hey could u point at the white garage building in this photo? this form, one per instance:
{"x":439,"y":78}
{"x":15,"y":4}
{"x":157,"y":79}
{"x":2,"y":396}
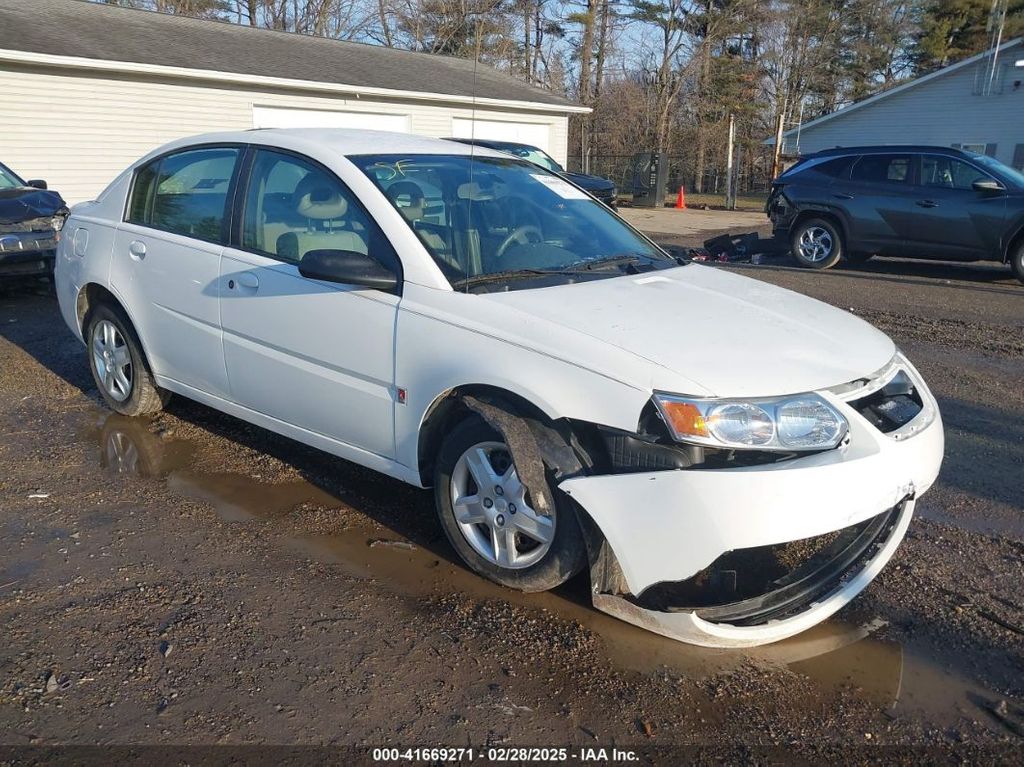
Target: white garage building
{"x":89,"y":88}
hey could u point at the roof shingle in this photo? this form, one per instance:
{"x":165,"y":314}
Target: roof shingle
{"x":106,"y":32}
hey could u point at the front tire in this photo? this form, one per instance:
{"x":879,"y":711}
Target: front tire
{"x":118,"y":365}
{"x":817,"y":243}
{"x":1017,"y":261}
{"x":488,"y":516}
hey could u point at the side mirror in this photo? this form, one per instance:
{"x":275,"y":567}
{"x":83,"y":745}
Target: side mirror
{"x":36,"y":183}
{"x":988,"y":186}
{"x":347,"y":267}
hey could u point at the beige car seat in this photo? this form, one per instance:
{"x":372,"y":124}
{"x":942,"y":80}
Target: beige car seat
{"x":408,"y":197}
{"x":317,"y":201}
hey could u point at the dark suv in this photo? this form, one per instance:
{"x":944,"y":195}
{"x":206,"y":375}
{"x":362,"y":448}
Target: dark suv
{"x":910,"y":201}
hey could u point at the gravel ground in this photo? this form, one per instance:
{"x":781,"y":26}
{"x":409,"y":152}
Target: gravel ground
{"x":195,"y":580}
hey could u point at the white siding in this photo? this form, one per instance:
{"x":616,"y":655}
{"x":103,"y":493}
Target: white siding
{"x":78,"y":130}
{"x":942,"y":111}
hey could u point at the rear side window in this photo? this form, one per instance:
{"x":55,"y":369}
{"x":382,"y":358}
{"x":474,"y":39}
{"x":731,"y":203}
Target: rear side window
{"x":882,"y":169}
{"x":831,"y":167}
{"x":185,"y":193}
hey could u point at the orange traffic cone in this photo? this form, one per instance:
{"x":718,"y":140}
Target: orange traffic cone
{"x":681,"y":199}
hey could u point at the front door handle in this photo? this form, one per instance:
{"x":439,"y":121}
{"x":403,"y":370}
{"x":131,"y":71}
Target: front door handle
{"x":137,"y":250}
{"x":248,"y":280}
{"x":927,"y":204}
{"x":843,"y":196}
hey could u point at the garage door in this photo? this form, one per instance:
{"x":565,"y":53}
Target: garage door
{"x":495,"y":130}
{"x":283,"y":117}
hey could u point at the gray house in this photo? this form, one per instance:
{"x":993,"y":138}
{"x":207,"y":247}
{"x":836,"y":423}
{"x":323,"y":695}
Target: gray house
{"x":975,"y":104}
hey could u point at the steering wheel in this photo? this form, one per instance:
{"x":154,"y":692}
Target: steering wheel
{"x":521,"y":235}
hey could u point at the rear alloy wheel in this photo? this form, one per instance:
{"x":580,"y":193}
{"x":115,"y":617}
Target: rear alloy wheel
{"x":489,"y":517}
{"x":1017,"y":261}
{"x":118,"y":365}
{"x":816,"y":243}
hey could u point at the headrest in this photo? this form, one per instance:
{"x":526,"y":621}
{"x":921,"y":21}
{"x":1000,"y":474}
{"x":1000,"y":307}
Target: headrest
{"x":317,"y":197}
{"x":405,"y":194}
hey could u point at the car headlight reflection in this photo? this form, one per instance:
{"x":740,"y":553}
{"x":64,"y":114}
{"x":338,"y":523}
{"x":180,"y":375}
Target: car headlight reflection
{"x":800,"y":422}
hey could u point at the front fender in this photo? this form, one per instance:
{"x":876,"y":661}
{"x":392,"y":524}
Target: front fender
{"x":434,"y":356}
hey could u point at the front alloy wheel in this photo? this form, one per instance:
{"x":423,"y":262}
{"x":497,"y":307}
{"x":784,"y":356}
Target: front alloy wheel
{"x":492,"y":510}
{"x":488,"y":516}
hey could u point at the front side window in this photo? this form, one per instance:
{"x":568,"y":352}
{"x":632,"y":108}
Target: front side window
{"x":185,"y":193}
{"x":882,"y":169}
{"x":949,"y":173}
{"x":8,"y":180}
{"x":294,"y":206}
{"x":487,"y":215}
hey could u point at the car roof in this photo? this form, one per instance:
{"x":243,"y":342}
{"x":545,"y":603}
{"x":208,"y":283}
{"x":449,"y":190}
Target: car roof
{"x":839,"y":151}
{"x":494,"y":143}
{"x":343,"y":141}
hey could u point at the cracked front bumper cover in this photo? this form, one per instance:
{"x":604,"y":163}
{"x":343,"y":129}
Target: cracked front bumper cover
{"x":662,"y":528}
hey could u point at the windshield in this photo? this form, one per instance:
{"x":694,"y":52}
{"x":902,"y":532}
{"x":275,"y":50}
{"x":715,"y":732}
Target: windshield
{"x":482,"y":216}
{"x":991,"y":163}
{"x":8,"y":180}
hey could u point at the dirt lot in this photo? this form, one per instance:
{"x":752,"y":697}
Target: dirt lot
{"x":194,"y":580}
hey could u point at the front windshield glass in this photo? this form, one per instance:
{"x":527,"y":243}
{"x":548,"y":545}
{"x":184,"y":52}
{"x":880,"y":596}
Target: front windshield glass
{"x":8,"y":180}
{"x":1006,"y":171}
{"x":481,"y":216}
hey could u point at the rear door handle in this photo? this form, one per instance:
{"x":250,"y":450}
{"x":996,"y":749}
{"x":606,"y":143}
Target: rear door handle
{"x":927,"y":203}
{"x":843,"y":196}
{"x":137,"y":250}
{"x":248,"y":280}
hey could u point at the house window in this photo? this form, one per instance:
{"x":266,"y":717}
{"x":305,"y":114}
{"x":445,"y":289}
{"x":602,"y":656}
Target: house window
{"x":976,"y":148}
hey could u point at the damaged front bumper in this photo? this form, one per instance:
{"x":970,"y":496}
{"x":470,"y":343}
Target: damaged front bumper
{"x":26,"y":249}
{"x":675,"y":546}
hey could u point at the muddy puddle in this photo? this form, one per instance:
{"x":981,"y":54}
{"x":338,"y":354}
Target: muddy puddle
{"x":836,"y":655}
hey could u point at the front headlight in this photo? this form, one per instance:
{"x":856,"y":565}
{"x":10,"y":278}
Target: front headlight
{"x":57,"y":222}
{"x":798,"y":422}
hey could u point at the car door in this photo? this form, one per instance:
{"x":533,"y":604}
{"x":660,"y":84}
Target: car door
{"x":952,"y":219}
{"x":876,"y":199}
{"x":166,"y":262}
{"x":313,"y":354}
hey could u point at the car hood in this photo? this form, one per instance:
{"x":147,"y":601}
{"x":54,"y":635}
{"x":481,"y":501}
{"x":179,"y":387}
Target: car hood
{"x":734,"y":336}
{"x":25,"y":203}
{"x":590,"y":183}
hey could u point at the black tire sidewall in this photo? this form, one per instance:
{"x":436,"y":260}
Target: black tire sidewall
{"x":567,"y":554}
{"x":1017,"y":262}
{"x":837,"y":238}
{"x":140,"y":370}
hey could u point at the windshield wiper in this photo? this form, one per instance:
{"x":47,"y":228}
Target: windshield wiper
{"x":623,"y":259}
{"x":511,"y":274}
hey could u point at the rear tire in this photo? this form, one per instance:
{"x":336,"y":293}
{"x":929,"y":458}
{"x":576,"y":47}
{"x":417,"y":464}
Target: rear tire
{"x":817,"y":243}
{"x":1017,"y":261}
{"x":118,"y":366}
{"x":499,"y":551}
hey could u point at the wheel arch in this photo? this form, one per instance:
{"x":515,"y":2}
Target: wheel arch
{"x":93,"y":294}
{"x":1013,"y":242}
{"x":831,"y":216}
{"x":448,"y":408}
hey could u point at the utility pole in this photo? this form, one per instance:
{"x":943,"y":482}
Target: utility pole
{"x":730,"y":183}
{"x":777,"y":154}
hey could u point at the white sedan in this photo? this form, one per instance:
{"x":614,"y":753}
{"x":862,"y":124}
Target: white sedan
{"x":734,"y":462}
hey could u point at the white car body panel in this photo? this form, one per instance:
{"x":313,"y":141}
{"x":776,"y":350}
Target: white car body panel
{"x":324,"y":364}
{"x":679,"y":522}
{"x":735,"y":336}
{"x":294,"y":348}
